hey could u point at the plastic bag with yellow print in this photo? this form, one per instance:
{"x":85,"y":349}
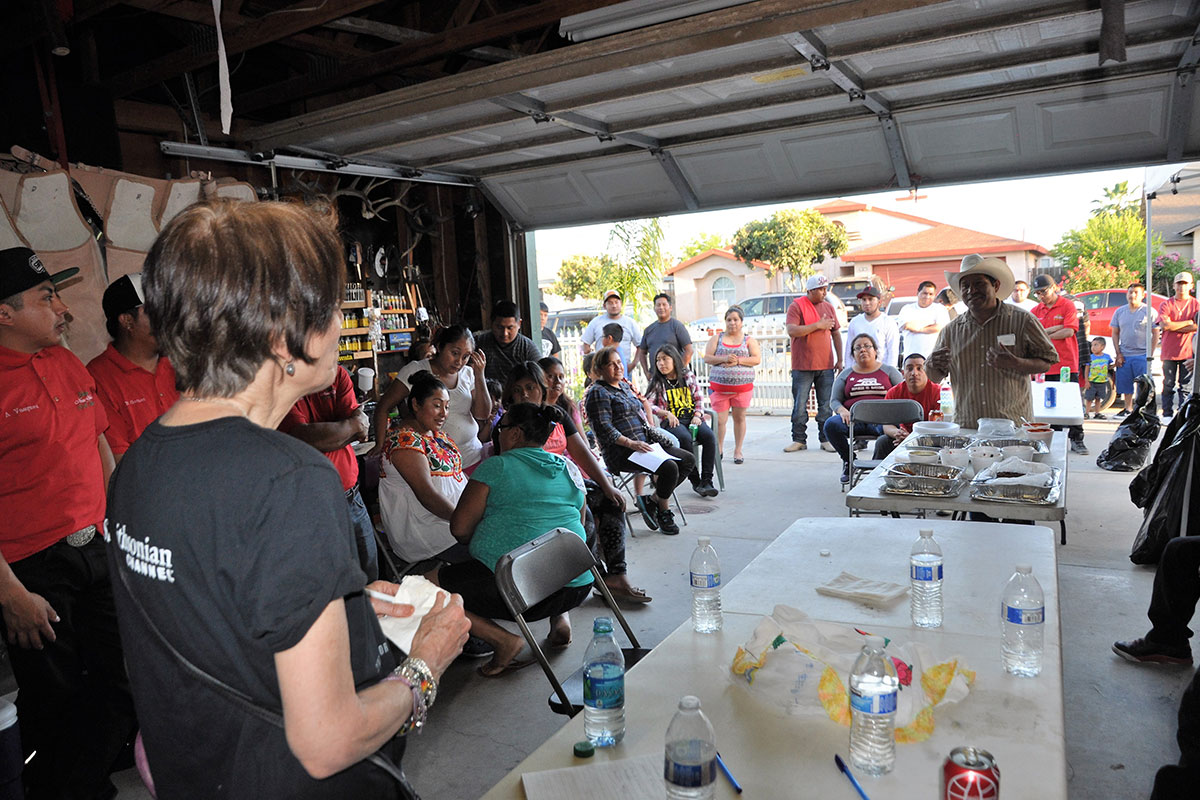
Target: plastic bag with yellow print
{"x":798,"y":667}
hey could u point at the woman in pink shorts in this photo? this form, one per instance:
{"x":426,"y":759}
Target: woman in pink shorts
{"x":732,"y":357}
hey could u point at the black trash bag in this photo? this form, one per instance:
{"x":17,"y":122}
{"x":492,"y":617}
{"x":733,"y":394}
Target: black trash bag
{"x":1164,"y":489}
{"x":1130,"y":445}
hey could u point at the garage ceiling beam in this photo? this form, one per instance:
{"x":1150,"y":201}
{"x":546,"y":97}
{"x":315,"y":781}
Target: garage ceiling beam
{"x":760,"y":19}
{"x":1183,"y":92}
{"x":1110,"y":75}
{"x":536,"y":111}
{"x":247,"y":36}
{"x":436,"y":46}
{"x":987,"y":65}
{"x":807,"y":44}
{"x":401,"y":35}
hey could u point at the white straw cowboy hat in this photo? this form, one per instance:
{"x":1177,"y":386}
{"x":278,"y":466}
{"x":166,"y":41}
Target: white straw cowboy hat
{"x":976,"y":264}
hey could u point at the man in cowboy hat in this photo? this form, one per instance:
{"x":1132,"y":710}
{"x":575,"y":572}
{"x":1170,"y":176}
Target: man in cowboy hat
{"x":989,"y":352}
{"x":56,"y":604}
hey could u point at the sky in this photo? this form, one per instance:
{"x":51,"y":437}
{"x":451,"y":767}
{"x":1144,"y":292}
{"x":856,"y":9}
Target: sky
{"x":1037,"y":210}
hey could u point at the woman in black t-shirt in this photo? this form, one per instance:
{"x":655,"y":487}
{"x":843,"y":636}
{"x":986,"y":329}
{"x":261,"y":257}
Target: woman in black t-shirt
{"x":230,"y":542}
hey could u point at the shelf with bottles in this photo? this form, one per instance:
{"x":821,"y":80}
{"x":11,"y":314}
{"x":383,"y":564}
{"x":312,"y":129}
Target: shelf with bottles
{"x":399,"y":330}
{"x":355,"y":323}
{"x":352,"y":356}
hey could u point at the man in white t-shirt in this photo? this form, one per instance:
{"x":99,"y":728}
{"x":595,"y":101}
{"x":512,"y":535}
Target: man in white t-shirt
{"x":878,"y":325}
{"x":614,"y":312}
{"x":920,"y":322}
{"x":1020,"y":297}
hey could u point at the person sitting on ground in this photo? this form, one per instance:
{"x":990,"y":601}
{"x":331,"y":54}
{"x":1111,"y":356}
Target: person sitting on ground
{"x":915,"y":386}
{"x":515,"y":497}
{"x":230,"y":543}
{"x":676,"y":401}
{"x":617,"y":417}
{"x":460,"y":368}
{"x":1097,"y":390}
{"x":1172,"y":604}
{"x":531,"y":384}
{"x":867,"y":378}
{"x":422,"y":477}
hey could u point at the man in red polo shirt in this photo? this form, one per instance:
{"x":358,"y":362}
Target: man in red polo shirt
{"x":135,"y":385}
{"x":1061,"y":321}
{"x":58,"y":616}
{"x":330,"y":421}
{"x":816,"y":359}
{"x":915,"y":386}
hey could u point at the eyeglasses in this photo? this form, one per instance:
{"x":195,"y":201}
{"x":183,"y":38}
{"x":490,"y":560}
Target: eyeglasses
{"x":506,"y":425}
{"x":862,"y":348}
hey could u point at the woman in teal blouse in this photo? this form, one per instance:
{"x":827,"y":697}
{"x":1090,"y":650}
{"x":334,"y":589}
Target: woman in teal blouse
{"x":513,"y":498}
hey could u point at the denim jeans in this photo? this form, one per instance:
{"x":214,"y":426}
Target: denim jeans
{"x":1175,"y":379}
{"x":837,"y":433}
{"x":364,"y":535}
{"x":802,"y":381}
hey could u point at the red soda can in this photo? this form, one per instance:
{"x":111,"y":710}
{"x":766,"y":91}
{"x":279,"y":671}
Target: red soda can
{"x":936,"y":415}
{"x":969,"y":773}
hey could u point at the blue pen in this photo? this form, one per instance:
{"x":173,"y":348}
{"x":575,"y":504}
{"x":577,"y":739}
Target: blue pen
{"x":850,"y":775}
{"x":737,"y":787}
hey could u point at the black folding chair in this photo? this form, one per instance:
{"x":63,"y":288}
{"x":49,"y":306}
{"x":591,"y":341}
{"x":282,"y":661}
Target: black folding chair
{"x":878,"y":412}
{"x":534,"y":571}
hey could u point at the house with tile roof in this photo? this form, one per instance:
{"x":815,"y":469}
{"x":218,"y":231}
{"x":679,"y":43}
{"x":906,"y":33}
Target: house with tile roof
{"x":1176,"y":218}
{"x":902,"y":249}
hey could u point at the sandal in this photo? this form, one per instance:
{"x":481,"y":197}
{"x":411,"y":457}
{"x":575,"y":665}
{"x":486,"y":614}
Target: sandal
{"x":489,"y":671}
{"x":633,"y":595}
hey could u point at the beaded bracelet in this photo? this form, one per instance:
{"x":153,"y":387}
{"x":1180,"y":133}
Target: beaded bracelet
{"x":416,"y":675}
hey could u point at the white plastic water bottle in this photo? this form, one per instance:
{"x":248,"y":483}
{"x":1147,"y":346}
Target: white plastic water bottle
{"x":947,"y":404}
{"x":690,"y":759}
{"x":873,"y":690}
{"x":706,"y":587}
{"x":603,"y":687}
{"x":1023,"y":615}
{"x":925,"y":579}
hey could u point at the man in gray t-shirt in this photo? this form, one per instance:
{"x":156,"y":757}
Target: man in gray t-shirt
{"x":613,"y":312}
{"x":1129,"y":324}
{"x":665,"y":330}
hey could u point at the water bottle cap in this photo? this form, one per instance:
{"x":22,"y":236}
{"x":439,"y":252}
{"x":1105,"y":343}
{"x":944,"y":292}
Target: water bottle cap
{"x":926,"y":532}
{"x":602,"y":625}
{"x":584,"y":749}
{"x":874,"y":641}
{"x":703,"y":541}
{"x":689,"y":703}
{"x":1024,"y":569}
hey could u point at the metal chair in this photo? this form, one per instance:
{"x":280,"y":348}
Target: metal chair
{"x":534,"y":571}
{"x":879,"y":412}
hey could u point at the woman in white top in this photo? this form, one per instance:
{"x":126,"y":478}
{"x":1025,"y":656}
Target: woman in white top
{"x":459,"y":366}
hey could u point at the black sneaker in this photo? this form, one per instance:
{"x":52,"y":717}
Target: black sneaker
{"x":1144,"y":651}
{"x":648,"y":512}
{"x":1079,"y":448}
{"x":666,"y":522}
{"x":477,"y":648}
{"x":1098,"y":415}
{"x":698,"y":488}
{"x":706,"y":489}
{"x":845,"y":474}
{"x":1121,"y":413}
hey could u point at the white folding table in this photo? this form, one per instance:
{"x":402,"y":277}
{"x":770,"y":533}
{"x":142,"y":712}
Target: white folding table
{"x":1068,"y":404}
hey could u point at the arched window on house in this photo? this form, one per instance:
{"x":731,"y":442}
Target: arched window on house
{"x":722,"y":295}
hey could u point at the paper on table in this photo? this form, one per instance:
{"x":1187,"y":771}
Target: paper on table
{"x":653,"y":459}
{"x":623,"y":779}
{"x":864,"y":590}
{"x":420,"y":594}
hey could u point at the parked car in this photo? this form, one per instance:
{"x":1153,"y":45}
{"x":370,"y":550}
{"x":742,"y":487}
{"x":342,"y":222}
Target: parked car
{"x":571,"y":318}
{"x":1102,"y":303}
{"x":768,"y":309}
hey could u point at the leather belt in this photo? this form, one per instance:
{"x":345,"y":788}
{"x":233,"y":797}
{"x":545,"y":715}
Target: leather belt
{"x":81,"y":537}
{"x":350,"y":492}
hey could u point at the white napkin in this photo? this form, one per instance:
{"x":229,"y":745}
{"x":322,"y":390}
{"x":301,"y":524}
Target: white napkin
{"x":1032,"y":474}
{"x":863,"y":590}
{"x":420,"y":594}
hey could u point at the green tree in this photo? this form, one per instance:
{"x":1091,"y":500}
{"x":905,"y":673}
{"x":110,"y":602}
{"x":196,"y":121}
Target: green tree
{"x":1113,"y":238}
{"x":1117,"y":199}
{"x":705,"y":241}
{"x":579,"y":276}
{"x":791,"y":240}
{"x":638,"y":261}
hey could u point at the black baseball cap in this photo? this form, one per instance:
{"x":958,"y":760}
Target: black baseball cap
{"x":870,"y":291}
{"x":21,"y":269}
{"x":123,"y":294}
{"x":1041,"y":282}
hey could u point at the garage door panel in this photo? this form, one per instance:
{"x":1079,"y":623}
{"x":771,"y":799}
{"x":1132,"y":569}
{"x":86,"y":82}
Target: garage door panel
{"x":1104,"y":118}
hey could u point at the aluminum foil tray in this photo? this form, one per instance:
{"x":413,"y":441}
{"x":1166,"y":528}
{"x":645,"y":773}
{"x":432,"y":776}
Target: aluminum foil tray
{"x":936,"y":441}
{"x":923,"y":480}
{"x":1016,"y":493}
{"x":1039,"y":447}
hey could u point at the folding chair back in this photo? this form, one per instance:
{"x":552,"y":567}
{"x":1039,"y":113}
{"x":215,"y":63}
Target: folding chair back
{"x":879,"y":412}
{"x":537,"y":569}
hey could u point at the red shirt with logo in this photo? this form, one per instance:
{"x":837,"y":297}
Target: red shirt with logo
{"x":1062,"y":312}
{"x":332,"y":404}
{"x":132,"y":396}
{"x":51,"y":479}
{"x":1177,"y":346}
{"x":814,"y":351}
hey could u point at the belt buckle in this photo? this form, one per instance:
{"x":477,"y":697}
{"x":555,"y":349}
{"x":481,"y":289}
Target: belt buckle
{"x":82,"y":537}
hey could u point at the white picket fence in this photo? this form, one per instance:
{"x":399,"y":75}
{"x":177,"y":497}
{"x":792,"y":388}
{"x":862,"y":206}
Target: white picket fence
{"x":772,"y":377}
